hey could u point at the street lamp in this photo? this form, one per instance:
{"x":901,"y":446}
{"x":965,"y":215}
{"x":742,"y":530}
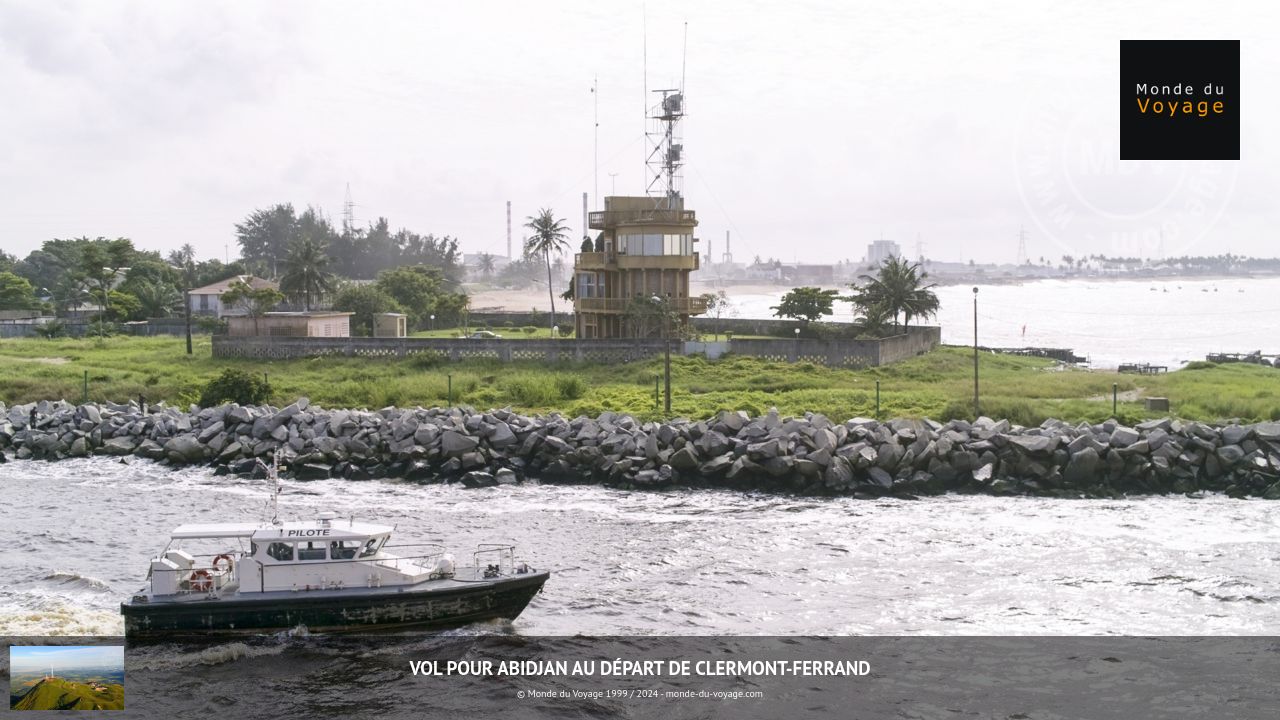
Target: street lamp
{"x":796,"y":350}
{"x":433,"y":323}
{"x":976,"y":413}
{"x":666,"y":353}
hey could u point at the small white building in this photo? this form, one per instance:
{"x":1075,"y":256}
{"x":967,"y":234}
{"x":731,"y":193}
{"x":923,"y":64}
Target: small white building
{"x":292,"y":324}
{"x":207,"y":300}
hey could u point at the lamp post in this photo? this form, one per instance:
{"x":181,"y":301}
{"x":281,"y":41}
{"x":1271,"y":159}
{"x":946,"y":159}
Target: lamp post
{"x":976,"y":412}
{"x":433,"y":323}
{"x":666,"y":354}
{"x":796,"y":347}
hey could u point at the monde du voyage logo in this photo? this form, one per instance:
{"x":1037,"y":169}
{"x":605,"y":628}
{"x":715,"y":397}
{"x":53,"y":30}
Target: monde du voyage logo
{"x":1179,"y":99}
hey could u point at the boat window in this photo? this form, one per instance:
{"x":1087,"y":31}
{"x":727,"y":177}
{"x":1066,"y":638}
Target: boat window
{"x":280,"y":551}
{"x":311,"y":552}
{"x":343,"y":549}
{"x":371,"y":547}
{"x":253,"y":548}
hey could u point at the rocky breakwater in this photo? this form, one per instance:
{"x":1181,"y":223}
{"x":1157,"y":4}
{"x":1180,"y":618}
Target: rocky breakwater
{"x":809,"y":454}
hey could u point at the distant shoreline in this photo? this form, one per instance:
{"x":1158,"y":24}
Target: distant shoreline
{"x":498,"y":300}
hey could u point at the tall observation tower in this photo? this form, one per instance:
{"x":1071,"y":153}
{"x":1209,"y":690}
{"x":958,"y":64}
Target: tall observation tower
{"x":643,"y":253}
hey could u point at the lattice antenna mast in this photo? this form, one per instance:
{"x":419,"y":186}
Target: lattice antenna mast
{"x":348,"y":213}
{"x":666,"y":152}
{"x":1022,"y":246}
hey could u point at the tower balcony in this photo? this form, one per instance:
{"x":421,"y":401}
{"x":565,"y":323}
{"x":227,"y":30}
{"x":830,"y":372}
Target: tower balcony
{"x":615,"y":261}
{"x":680,"y":305}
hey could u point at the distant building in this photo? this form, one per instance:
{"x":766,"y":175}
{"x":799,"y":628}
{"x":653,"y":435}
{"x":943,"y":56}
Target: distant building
{"x":880,"y":250}
{"x":809,"y":274}
{"x":647,"y":251}
{"x":769,"y":270}
{"x":292,"y":324}
{"x":207,"y":300}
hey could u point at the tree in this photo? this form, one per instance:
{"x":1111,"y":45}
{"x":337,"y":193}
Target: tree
{"x":100,"y":265}
{"x":306,"y":273}
{"x":365,"y":301}
{"x":156,"y":300}
{"x":420,"y":291}
{"x":649,"y":315}
{"x":486,"y":264}
{"x":264,"y":236}
{"x":123,"y":306}
{"x":183,"y":256}
{"x":806,"y":304}
{"x":549,"y":236}
{"x":897,"y":289}
{"x":255,"y":302}
{"x":16,"y":293}
{"x":7,"y":261}
{"x":717,"y":306}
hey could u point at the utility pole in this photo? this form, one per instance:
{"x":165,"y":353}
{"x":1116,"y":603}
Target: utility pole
{"x":664,"y":304}
{"x":976,"y":412}
{"x":187,"y":312}
{"x":509,"y":256}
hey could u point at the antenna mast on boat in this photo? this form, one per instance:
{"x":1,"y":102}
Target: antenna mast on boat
{"x":274,"y":474}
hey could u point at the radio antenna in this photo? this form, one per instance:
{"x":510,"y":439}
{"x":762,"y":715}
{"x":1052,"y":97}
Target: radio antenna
{"x":684,"y":55}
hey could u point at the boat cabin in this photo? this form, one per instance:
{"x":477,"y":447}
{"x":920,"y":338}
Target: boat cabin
{"x":320,"y":554}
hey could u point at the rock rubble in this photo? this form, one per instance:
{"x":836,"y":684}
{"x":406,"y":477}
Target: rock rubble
{"x":810,"y":454}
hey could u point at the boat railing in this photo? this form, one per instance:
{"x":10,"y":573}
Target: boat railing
{"x":498,"y":552}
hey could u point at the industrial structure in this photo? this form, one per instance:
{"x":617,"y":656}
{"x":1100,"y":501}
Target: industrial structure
{"x":641,"y":259}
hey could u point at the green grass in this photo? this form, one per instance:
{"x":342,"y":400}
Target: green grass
{"x":937,"y":385}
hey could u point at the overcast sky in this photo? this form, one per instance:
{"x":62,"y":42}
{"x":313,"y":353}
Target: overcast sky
{"x":813,"y":127}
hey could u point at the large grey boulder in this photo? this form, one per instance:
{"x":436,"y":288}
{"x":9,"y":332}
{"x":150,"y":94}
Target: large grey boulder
{"x":454,"y":443}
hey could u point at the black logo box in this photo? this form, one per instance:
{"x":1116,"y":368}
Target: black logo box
{"x":1189,"y":65}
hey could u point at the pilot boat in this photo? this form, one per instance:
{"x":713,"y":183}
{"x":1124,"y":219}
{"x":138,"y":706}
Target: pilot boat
{"x":327,"y":574}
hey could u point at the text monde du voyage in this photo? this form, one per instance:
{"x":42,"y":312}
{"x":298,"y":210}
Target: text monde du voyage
{"x":1180,"y":100}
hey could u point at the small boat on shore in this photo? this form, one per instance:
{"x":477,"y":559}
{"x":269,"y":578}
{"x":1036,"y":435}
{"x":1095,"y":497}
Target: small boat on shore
{"x":326,"y":574}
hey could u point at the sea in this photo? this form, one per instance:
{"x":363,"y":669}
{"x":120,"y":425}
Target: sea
{"x":1165,"y":321}
{"x":956,"y":605}
{"x":79,"y":534}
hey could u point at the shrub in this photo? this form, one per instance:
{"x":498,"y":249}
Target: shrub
{"x":101,"y":328}
{"x":570,"y":387}
{"x":236,"y":386}
{"x":211,"y":325}
{"x":528,"y":330}
{"x":1200,"y":365}
{"x":50,"y":330}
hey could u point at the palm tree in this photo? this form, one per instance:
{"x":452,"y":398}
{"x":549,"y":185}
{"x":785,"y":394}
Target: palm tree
{"x":306,"y":273}
{"x":896,"y":290}
{"x":549,"y":235}
{"x":486,"y":264}
{"x":159,"y":300}
{"x":182,"y":257}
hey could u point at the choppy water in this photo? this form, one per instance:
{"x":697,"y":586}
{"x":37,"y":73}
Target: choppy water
{"x":78,"y":535}
{"x":1163,"y":322}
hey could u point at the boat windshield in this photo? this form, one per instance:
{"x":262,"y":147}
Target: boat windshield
{"x":343,"y":549}
{"x":372,"y":546}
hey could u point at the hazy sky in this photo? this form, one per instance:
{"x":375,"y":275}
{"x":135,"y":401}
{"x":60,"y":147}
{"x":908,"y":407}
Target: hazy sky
{"x":813,"y":127}
{"x":42,"y":657}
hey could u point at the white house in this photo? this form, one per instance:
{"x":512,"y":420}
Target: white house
{"x":207,"y":300}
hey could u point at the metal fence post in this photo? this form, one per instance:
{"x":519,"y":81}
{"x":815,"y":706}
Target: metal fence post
{"x":1115,"y":398}
{"x":84,"y":397}
{"x":877,"y":399}
{"x":450,"y":379}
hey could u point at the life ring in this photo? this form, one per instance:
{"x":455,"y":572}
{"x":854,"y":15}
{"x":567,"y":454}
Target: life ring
{"x":230,"y":562}
{"x":201,"y":581}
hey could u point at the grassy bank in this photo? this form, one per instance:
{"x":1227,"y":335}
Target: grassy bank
{"x":937,"y":385}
